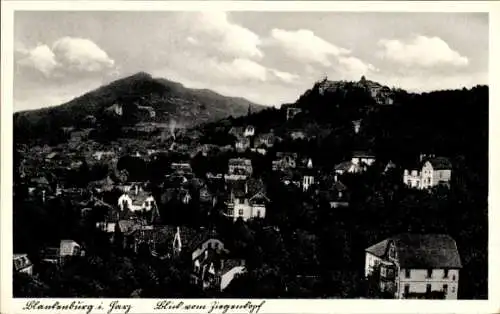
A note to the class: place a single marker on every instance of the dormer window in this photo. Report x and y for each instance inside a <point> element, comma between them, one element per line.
<point>392,251</point>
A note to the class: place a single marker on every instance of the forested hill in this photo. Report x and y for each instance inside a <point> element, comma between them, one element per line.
<point>170,101</point>
<point>448,122</point>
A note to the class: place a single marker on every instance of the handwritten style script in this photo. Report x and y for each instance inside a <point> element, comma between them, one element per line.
<point>113,307</point>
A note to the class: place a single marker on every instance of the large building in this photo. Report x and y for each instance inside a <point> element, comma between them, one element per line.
<point>435,171</point>
<point>411,266</point>
<point>136,199</point>
<point>246,200</point>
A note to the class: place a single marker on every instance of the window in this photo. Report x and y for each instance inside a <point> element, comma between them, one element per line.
<point>428,288</point>
<point>240,212</point>
<point>392,251</point>
<point>429,273</point>
<point>407,273</point>
<point>230,212</point>
<point>258,213</point>
<point>382,271</point>
<point>390,272</point>
<point>453,289</point>
<point>445,273</point>
<point>445,289</point>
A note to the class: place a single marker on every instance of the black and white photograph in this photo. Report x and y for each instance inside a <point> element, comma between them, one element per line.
<point>229,154</point>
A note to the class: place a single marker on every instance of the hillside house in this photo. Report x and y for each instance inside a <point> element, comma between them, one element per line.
<point>22,264</point>
<point>349,167</point>
<point>136,199</point>
<point>415,266</point>
<point>240,166</point>
<point>265,140</point>
<point>435,171</point>
<point>66,249</point>
<point>284,161</point>
<point>237,131</point>
<point>214,270</point>
<point>115,109</point>
<point>246,200</point>
<point>103,155</point>
<point>297,135</point>
<point>249,131</point>
<point>362,157</point>
<point>359,162</point>
<point>242,144</point>
<point>181,167</point>
<point>308,174</point>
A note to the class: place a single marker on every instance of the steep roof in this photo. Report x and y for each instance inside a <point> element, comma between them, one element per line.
<point>440,163</point>
<point>421,250</point>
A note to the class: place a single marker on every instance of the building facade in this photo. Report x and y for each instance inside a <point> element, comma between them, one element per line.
<point>415,266</point>
<point>435,171</point>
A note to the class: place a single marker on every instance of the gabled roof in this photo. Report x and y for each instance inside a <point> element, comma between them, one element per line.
<point>421,250</point>
<point>440,163</point>
<point>259,195</point>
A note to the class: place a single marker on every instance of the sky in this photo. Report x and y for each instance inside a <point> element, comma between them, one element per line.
<point>267,57</point>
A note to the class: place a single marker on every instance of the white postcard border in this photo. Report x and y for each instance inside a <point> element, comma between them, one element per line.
<point>9,305</point>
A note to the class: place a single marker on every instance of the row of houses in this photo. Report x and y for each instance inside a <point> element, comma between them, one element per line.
<point>212,264</point>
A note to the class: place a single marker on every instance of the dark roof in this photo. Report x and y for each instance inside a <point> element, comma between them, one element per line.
<point>421,250</point>
<point>40,181</point>
<point>440,163</point>
<point>255,186</point>
<point>344,166</point>
<point>230,264</point>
